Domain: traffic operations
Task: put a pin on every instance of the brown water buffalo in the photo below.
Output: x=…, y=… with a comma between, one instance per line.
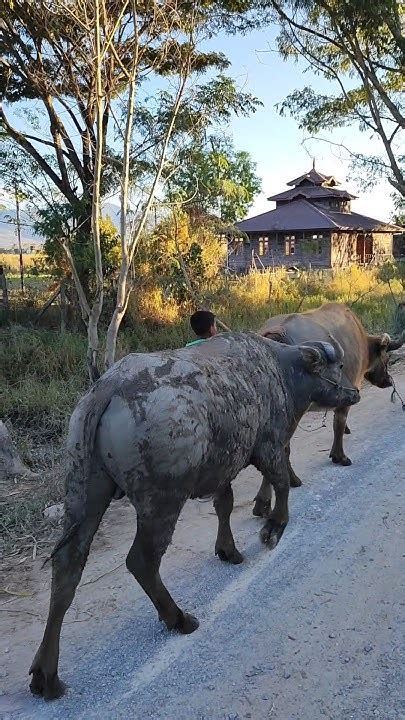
x=167, y=426
x=365, y=356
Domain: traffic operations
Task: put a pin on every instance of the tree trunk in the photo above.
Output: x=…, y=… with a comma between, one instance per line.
x=97, y=306
x=10, y=461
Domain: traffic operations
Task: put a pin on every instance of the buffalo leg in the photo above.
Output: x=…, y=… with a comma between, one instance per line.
x=155, y=527
x=67, y=567
x=262, y=506
x=274, y=466
x=339, y=424
x=295, y=481
x=225, y=544
x=347, y=430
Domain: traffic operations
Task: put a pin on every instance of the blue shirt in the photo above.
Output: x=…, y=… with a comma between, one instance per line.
x=197, y=342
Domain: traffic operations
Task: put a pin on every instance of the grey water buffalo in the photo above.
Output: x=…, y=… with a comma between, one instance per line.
x=365, y=356
x=168, y=426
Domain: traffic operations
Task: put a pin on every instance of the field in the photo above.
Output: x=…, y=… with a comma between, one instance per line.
x=43, y=371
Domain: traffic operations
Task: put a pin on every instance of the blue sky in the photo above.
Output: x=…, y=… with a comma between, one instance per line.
x=274, y=142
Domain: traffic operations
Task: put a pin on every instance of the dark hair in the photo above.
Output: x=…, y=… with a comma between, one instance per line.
x=201, y=321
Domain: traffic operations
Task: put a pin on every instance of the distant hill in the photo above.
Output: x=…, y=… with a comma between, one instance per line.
x=8, y=237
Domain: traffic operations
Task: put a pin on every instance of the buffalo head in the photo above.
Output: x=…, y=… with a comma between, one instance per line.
x=379, y=347
x=324, y=363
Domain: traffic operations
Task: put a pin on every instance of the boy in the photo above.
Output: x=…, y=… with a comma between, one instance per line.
x=204, y=325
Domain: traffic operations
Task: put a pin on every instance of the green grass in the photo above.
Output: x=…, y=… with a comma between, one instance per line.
x=42, y=374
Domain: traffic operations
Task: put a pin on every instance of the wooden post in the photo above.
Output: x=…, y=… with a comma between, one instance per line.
x=48, y=303
x=18, y=225
x=62, y=308
x=3, y=287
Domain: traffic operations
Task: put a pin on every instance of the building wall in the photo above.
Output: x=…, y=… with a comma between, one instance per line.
x=344, y=248
x=383, y=245
x=263, y=251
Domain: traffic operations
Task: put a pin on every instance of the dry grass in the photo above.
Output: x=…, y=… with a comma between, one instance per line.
x=11, y=262
x=23, y=529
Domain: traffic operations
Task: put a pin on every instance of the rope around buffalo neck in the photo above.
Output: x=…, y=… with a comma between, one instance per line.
x=341, y=387
x=396, y=393
x=311, y=430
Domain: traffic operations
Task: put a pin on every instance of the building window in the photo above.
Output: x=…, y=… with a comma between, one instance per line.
x=263, y=245
x=317, y=243
x=289, y=244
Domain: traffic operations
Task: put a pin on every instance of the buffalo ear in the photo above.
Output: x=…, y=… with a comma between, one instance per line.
x=396, y=343
x=313, y=358
x=385, y=341
x=278, y=334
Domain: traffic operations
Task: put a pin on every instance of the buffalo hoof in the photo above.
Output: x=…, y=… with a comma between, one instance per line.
x=186, y=624
x=271, y=533
x=341, y=460
x=261, y=508
x=295, y=481
x=232, y=556
x=46, y=686
x=347, y=430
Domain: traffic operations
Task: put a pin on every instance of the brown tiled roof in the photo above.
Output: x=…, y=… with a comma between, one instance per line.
x=302, y=215
x=310, y=191
x=314, y=176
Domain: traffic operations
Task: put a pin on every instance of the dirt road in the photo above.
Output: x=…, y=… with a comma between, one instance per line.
x=314, y=629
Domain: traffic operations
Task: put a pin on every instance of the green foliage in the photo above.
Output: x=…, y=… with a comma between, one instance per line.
x=359, y=47
x=66, y=54
x=41, y=376
x=215, y=178
x=392, y=271
x=399, y=208
x=178, y=254
x=55, y=224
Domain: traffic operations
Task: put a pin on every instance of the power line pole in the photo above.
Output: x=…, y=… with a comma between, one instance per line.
x=18, y=225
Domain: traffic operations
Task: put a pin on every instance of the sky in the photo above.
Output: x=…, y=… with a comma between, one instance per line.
x=276, y=143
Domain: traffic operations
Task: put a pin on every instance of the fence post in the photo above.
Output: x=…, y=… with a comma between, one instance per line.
x=3, y=287
x=62, y=308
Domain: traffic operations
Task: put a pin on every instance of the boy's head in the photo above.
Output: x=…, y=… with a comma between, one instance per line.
x=203, y=323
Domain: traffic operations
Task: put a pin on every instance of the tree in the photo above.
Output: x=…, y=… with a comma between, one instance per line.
x=214, y=178
x=53, y=223
x=181, y=256
x=399, y=209
x=360, y=47
x=99, y=132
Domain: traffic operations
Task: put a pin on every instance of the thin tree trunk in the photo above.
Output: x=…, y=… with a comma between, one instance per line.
x=196, y=297
x=62, y=308
x=3, y=287
x=97, y=305
x=122, y=289
x=123, y=292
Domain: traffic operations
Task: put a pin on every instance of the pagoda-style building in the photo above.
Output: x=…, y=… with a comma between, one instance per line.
x=312, y=225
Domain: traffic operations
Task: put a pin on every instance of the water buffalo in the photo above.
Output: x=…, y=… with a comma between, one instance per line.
x=365, y=356
x=168, y=426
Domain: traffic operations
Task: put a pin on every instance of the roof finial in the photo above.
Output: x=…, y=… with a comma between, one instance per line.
x=313, y=163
